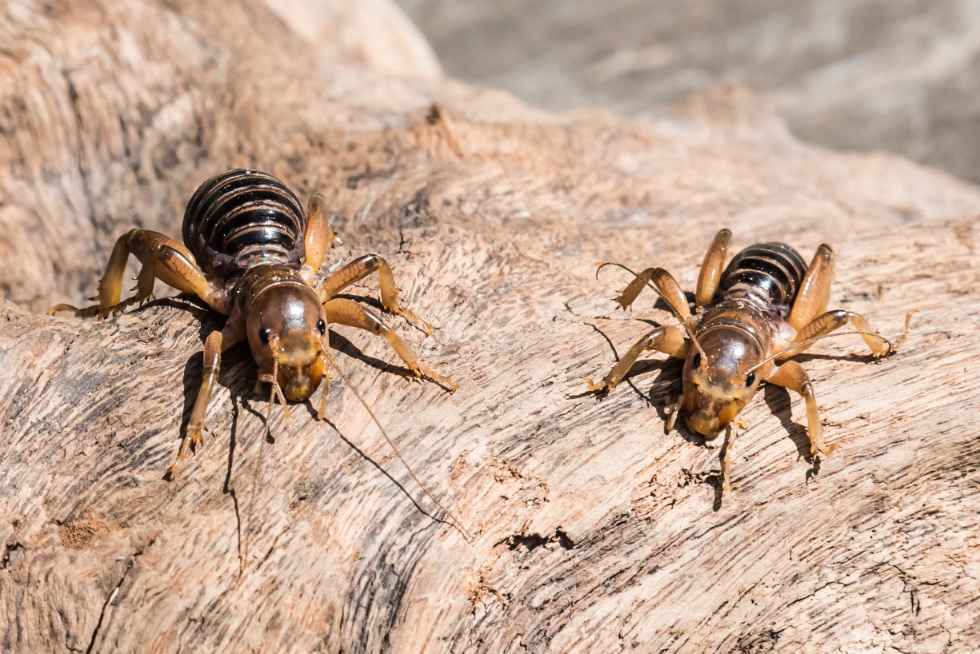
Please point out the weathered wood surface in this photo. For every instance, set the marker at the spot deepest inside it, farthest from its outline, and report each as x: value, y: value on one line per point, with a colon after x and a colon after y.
x: 593, y: 530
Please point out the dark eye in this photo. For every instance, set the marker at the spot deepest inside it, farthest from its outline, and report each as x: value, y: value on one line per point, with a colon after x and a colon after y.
x: 264, y: 335
x: 321, y: 326
x: 750, y: 379
x: 696, y: 361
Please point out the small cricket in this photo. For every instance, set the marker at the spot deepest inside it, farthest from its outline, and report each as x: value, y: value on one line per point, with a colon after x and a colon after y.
x: 252, y: 253
x: 751, y: 318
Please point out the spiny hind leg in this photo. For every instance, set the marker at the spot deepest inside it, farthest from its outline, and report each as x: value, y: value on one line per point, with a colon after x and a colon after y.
x: 668, y: 339
x: 110, y: 286
x: 216, y: 343
x: 792, y: 376
x: 163, y: 258
x: 831, y: 320
x: 813, y: 295
x: 360, y: 268
x: 711, y: 268
x: 319, y: 236
x: 347, y: 312
x: 663, y: 282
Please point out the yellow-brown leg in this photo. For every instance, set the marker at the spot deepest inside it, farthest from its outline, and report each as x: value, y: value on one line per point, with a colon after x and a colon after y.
x: 347, y: 312
x: 360, y: 268
x: 831, y: 320
x: 666, y: 286
x: 813, y: 295
x: 319, y: 236
x: 163, y: 258
x: 792, y: 376
x: 668, y: 339
x: 216, y: 343
x: 711, y: 268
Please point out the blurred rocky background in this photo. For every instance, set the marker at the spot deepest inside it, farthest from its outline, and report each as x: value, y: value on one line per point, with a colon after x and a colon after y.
x: 896, y: 75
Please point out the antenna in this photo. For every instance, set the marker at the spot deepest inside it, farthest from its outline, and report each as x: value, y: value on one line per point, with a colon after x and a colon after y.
x: 454, y: 520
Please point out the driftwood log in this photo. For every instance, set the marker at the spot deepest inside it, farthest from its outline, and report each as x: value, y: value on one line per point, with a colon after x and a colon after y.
x: 592, y: 529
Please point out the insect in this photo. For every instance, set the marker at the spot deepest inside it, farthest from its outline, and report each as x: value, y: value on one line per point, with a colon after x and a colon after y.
x: 252, y: 253
x: 753, y: 316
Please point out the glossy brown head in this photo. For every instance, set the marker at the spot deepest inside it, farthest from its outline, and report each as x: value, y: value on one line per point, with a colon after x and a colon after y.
x: 719, y: 383
x: 286, y: 327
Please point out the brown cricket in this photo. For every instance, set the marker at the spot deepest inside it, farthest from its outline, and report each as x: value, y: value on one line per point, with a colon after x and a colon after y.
x: 753, y: 316
x: 252, y: 253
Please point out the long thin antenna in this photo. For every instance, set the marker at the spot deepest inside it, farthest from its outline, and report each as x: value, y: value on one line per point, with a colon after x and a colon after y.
x: 275, y: 393
x: 455, y: 521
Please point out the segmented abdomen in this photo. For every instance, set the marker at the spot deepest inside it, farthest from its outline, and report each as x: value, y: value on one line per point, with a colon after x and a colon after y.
x: 241, y: 218
x: 770, y: 273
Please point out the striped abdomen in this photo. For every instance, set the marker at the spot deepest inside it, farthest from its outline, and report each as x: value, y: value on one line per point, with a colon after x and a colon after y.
x: 241, y: 218
x: 765, y: 273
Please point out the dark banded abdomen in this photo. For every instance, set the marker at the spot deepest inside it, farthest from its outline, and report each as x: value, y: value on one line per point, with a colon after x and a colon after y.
x: 241, y: 218
x: 770, y: 272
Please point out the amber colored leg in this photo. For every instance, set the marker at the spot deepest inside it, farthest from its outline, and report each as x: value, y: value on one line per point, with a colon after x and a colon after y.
x: 814, y: 293
x: 144, y: 282
x: 828, y: 322
x: 712, y: 267
x: 665, y: 284
x: 360, y: 268
x: 162, y: 257
x: 347, y: 312
x: 319, y: 236
x: 214, y: 345
x: 668, y: 339
x: 791, y: 375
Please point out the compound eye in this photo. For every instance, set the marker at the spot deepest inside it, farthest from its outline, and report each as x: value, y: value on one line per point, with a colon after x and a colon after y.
x: 321, y: 326
x: 264, y: 335
x: 750, y: 379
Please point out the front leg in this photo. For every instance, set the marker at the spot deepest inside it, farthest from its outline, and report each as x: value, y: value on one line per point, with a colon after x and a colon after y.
x: 163, y: 258
x: 347, y: 312
x: 360, y: 268
x: 667, y: 339
x: 792, y: 376
x: 216, y: 343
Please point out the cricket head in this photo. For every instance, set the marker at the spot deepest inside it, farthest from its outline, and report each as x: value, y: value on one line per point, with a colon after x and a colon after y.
x: 720, y: 377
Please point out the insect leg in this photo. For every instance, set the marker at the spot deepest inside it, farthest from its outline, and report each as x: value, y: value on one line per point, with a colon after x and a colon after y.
x: 814, y: 294
x: 110, y: 286
x: 792, y: 376
x: 360, y: 268
x: 216, y: 343
x: 712, y: 267
x: 163, y: 258
x: 668, y: 339
x: 319, y: 236
x: 831, y: 320
x: 347, y: 312
x: 664, y: 283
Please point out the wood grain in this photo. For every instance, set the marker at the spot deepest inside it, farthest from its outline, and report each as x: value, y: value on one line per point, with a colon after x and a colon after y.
x: 593, y: 531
